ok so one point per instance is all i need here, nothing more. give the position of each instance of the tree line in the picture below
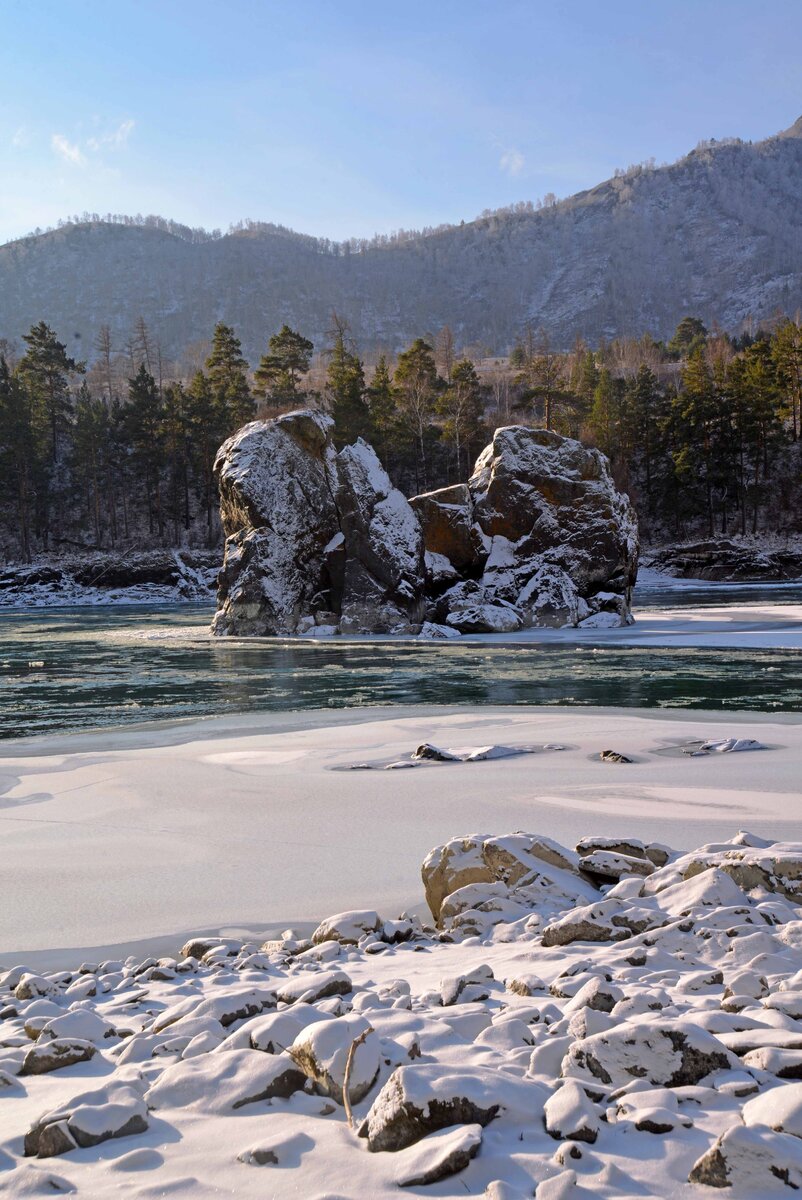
(704, 431)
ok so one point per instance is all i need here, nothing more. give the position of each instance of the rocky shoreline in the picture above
(729, 560)
(137, 577)
(571, 1020)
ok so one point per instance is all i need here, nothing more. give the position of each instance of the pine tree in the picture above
(280, 371)
(345, 387)
(417, 385)
(228, 377)
(45, 371)
(384, 418)
(144, 425)
(787, 355)
(90, 451)
(208, 419)
(17, 454)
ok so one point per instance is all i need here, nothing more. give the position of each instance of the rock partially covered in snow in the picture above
(525, 865)
(312, 534)
(114, 1111)
(321, 540)
(539, 528)
(418, 1100)
(568, 1113)
(322, 1052)
(438, 1156)
(347, 927)
(668, 1053)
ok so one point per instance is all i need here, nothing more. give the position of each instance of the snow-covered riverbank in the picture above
(559, 1035)
(126, 835)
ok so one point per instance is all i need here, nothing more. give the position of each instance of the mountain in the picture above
(717, 235)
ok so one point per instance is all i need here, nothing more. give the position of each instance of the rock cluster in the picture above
(563, 1032)
(319, 542)
(723, 559)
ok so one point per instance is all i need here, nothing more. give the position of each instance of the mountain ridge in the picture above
(717, 234)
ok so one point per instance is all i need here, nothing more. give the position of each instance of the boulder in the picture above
(321, 1052)
(418, 1100)
(438, 1155)
(449, 529)
(347, 927)
(320, 540)
(114, 1111)
(516, 861)
(277, 481)
(55, 1054)
(753, 1160)
(569, 1114)
(310, 531)
(668, 1054)
(223, 1083)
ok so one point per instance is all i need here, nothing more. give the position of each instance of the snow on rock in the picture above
(347, 927)
(756, 1161)
(569, 1113)
(517, 861)
(113, 1111)
(438, 1155)
(322, 1051)
(58, 1053)
(417, 1100)
(222, 1083)
(321, 541)
(559, 543)
(669, 1053)
(780, 1109)
(658, 1015)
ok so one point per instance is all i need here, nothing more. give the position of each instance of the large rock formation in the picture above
(320, 540)
(313, 536)
(539, 528)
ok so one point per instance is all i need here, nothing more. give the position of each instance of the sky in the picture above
(344, 118)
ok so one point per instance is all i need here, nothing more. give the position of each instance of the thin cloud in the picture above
(114, 140)
(69, 151)
(512, 162)
(20, 138)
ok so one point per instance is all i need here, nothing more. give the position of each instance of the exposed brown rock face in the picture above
(319, 539)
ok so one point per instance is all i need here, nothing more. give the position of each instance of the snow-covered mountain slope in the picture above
(717, 234)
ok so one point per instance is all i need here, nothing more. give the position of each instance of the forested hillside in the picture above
(717, 234)
(704, 431)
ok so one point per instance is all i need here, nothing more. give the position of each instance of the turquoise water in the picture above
(70, 669)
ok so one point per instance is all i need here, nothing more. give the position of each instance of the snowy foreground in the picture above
(615, 1020)
(128, 840)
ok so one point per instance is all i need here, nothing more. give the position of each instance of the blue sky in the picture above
(349, 117)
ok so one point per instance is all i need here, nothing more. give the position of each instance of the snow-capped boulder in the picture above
(668, 1053)
(757, 1161)
(547, 493)
(114, 1111)
(312, 533)
(527, 866)
(321, 1051)
(53, 1055)
(277, 481)
(438, 1156)
(568, 1113)
(347, 927)
(223, 1083)
(418, 1100)
(321, 540)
